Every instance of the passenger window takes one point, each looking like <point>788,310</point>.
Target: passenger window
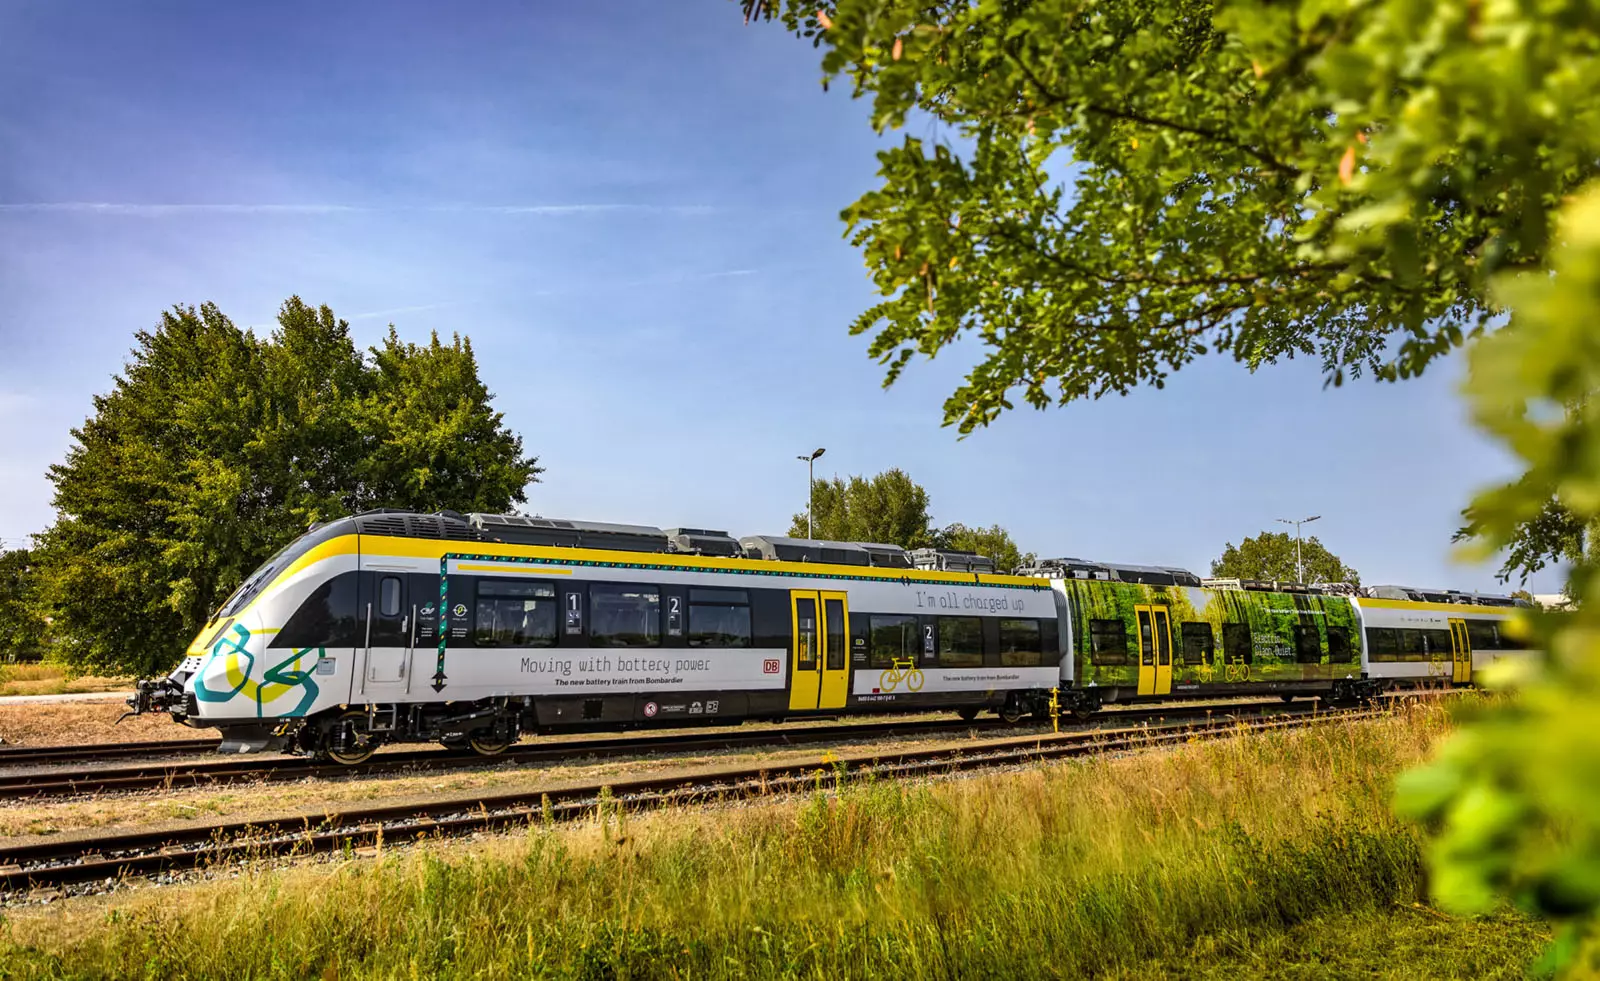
<point>1147,645</point>
<point>389,597</point>
<point>624,616</point>
<point>805,630</point>
<point>1199,643</point>
<point>719,618</point>
<point>1440,645</point>
<point>514,614</point>
<point>1021,643</point>
<point>1307,644</point>
<point>1383,644</point>
<point>892,638</point>
<point>1108,641</point>
<point>961,642</point>
<point>834,610</point>
<point>1339,645</point>
<point>1238,646</point>
<point>1482,635</point>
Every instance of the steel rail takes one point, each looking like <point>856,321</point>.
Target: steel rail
<point>162,776</point>
<point>94,752</point>
<point>109,857</point>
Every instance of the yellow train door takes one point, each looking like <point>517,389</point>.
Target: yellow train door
<point>805,666</point>
<point>835,650</point>
<point>1461,654</point>
<point>1155,650</point>
<point>1163,625</point>
<point>1147,651</point>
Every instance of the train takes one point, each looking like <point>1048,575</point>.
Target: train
<point>475,630</point>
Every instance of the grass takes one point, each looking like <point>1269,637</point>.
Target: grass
<point>1267,856</point>
<point>53,679</point>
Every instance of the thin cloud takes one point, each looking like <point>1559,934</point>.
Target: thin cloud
<point>671,279</point>
<point>374,314</point>
<point>174,210</point>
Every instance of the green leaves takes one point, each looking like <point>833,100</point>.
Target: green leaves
<point>890,508</point>
<point>1116,189</point>
<point>1271,555</point>
<point>24,634</point>
<point>216,447</point>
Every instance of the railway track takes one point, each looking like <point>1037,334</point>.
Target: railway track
<point>111,857</point>
<point>99,752</point>
<point>166,776</point>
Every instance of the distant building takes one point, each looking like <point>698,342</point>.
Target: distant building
<point>1553,601</point>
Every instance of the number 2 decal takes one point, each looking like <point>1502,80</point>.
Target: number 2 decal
<point>927,639</point>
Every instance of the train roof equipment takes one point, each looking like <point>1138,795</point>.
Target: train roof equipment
<point>1458,596</point>
<point>1152,575</point>
<point>516,529</point>
<point>780,549</point>
<point>1282,586</point>
<point>701,541</point>
<point>951,560</point>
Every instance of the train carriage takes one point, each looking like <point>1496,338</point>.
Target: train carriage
<point>402,627</point>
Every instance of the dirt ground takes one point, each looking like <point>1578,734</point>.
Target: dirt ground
<point>67,723</point>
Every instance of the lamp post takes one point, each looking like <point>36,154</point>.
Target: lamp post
<point>1299,566</point>
<point>811,482</point>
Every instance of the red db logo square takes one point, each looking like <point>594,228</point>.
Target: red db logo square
<point>771,666</point>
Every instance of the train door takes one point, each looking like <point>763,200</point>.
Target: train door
<point>389,635</point>
<point>1461,652</point>
<point>1155,649</point>
<point>820,664</point>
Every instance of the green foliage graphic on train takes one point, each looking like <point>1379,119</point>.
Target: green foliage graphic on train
<point>1218,636</point>
<point>231,661</point>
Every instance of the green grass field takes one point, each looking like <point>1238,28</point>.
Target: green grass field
<point>1266,856</point>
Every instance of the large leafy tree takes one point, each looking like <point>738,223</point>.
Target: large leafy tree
<point>215,447</point>
<point>889,508</point>
<point>23,631</point>
<point>1117,188</point>
<point>1272,555</point>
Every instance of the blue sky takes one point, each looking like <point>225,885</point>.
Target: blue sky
<point>632,210</point>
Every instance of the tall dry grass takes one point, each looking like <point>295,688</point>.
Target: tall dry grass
<point>1083,868</point>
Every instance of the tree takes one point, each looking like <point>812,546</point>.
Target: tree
<point>1117,189</point>
<point>891,509</point>
<point>214,448</point>
<point>1271,555</point>
<point>23,632</point>
<point>994,542</point>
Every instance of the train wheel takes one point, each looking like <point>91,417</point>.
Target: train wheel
<point>488,744</point>
<point>967,714</point>
<point>360,744</point>
<point>1012,713</point>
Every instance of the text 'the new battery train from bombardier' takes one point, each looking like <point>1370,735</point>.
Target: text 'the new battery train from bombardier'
<point>476,629</point>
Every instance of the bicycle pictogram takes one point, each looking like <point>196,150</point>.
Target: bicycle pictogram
<point>1237,672</point>
<point>902,669</point>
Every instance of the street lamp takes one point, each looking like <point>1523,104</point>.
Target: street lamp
<point>811,482</point>
<point>1299,566</point>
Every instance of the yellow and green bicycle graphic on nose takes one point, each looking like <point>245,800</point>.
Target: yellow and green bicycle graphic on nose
<point>902,669</point>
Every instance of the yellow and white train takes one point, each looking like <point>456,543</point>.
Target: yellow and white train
<point>477,629</point>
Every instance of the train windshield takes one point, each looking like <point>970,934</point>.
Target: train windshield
<point>280,560</point>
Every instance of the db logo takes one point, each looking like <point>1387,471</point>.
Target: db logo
<point>649,710</point>
<point>771,666</point>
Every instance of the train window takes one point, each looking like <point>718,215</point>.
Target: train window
<point>514,614</point>
<point>805,631</point>
<point>833,612</point>
<point>1307,644</point>
<point>327,618</point>
<point>624,616</point>
<point>1339,650</point>
<point>1199,643</point>
<point>1108,641</point>
<point>389,596</point>
<point>1412,647</point>
<point>1510,643</point>
<point>1238,646</point>
<point>1147,646</point>
<point>1021,643</point>
<point>1482,635</point>
<point>961,642</point>
<point>1440,644</point>
<point>893,637</point>
<point>719,618</point>
<point>1383,644</point>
